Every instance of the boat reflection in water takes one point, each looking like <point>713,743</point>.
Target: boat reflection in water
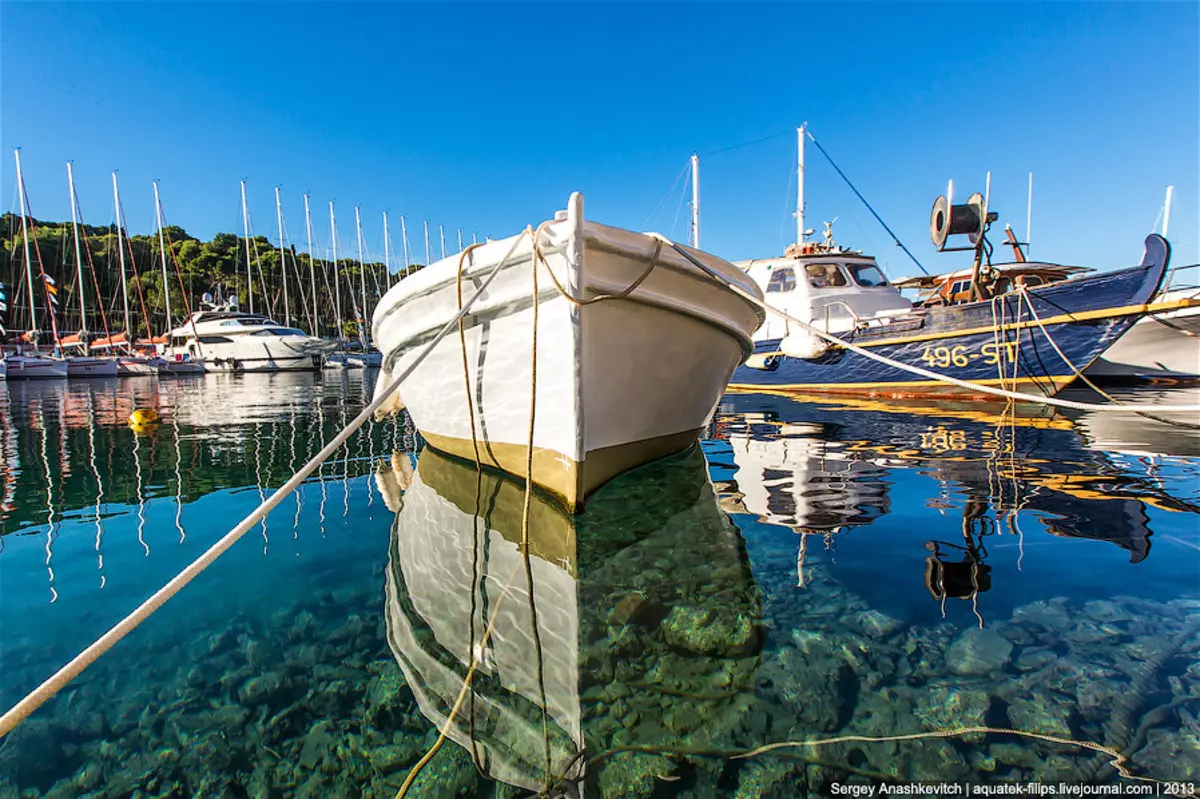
<point>824,467</point>
<point>621,624</point>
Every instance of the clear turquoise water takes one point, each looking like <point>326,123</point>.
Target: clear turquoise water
<point>774,584</point>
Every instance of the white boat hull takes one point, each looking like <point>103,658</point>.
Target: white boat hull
<point>619,382</point>
<point>369,360</point>
<point>1163,345</point>
<point>84,366</point>
<point>24,367</point>
<point>135,367</point>
<point>167,367</point>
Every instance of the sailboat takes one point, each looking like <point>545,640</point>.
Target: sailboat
<point>127,364</point>
<point>363,357</point>
<point>25,361</point>
<point>85,364</point>
<point>190,362</point>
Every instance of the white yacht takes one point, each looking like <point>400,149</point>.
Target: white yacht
<point>232,341</point>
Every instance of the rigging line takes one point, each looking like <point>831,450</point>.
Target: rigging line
<point>64,675</point>
<point>666,194</point>
<point>864,202</point>
<point>679,207</point>
<point>748,143</point>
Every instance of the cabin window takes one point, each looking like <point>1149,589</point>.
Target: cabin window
<point>215,340</point>
<point>231,323</point>
<point>960,286</point>
<point>867,275</point>
<point>178,341</point>
<point>783,279</point>
<point>824,276</point>
<point>279,331</point>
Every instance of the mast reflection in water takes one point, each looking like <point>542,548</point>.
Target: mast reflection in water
<point>816,569</point>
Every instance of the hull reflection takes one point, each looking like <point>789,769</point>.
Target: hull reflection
<point>651,576</point>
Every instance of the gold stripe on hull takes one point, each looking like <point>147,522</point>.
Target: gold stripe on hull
<point>1082,316</point>
<point>1057,381</point>
<point>570,482</point>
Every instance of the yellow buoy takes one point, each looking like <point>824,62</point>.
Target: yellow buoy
<point>142,417</point>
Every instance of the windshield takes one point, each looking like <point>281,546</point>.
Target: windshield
<point>823,276</point>
<point>867,275</point>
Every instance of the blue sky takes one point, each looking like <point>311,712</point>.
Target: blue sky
<point>487,116</point>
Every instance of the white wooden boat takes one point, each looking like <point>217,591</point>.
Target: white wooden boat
<point>35,367</point>
<point>619,382</point>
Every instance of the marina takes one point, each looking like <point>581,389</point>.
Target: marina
<point>796,532</point>
<point>554,478</point>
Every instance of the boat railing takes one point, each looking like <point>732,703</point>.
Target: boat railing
<point>1192,281</point>
<point>857,319</point>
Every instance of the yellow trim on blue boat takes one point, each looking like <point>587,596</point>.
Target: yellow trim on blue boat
<point>1083,316</point>
<point>766,388</point>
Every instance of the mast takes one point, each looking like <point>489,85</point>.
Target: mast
<point>404,244</point>
<point>121,252</point>
<point>1167,211</point>
<point>442,235</point>
<point>800,131</point>
<point>287,313</point>
<point>1029,217</point>
<point>387,254</point>
<point>246,236</point>
<point>460,247</point>
<point>312,269</point>
<point>78,258</point>
<point>25,236</point>
<point>362,281</point>
<point>695,201</point>
<point>337,288</point>
<point>427,242</point>
<point>162,245</point>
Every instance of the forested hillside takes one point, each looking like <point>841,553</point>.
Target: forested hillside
<point>194,267</point>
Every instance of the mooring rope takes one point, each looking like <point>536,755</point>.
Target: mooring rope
<point>60,678</point>
<point>477,651</point>
<point>917,370</point>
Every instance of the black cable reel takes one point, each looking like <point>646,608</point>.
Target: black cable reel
<point>970,219</point>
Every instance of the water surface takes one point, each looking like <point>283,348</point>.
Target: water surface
<point>813,569</point>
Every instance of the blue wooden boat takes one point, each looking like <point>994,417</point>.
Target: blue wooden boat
<point>1032,340</point>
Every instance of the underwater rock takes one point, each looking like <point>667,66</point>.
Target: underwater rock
<point>633,775</point>
<point>944,707</point>
<point>773,778</point>
<point>875,624</point>
<point>1034,659</point>
<point>450,774</point>
<point>316,743</point>
<point>1039,712</point>
<point>1051,614</point>
<point>388,696</point>
<point>706,631</point>
<point>819,683</point>
<point>978,653</point>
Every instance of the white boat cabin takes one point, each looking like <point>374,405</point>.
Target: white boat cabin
<point>833,288</point>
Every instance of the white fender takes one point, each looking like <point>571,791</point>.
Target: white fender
<point>803,344</point>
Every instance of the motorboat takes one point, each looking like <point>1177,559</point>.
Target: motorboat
<point>134,366</point>
<point>619,383</point>
<point>1032,341</point>
<point>229,340</point>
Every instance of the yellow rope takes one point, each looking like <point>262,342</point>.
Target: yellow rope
<point>476,651</point>
<point>623,293</point>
